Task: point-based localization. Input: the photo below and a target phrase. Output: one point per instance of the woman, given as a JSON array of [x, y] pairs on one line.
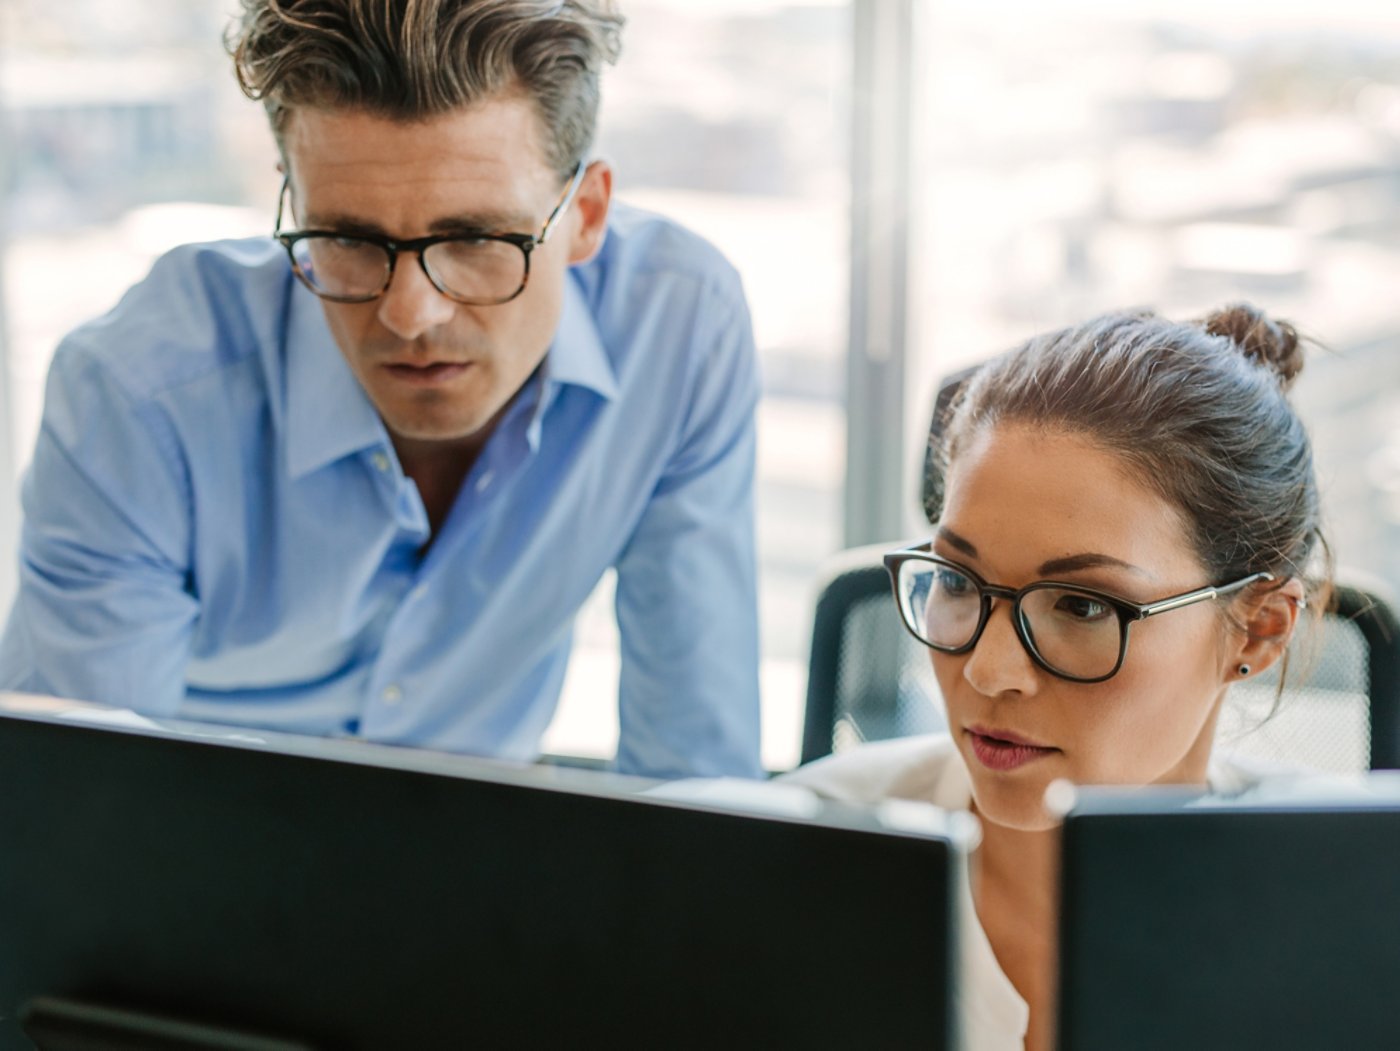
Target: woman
[[1129, 514]]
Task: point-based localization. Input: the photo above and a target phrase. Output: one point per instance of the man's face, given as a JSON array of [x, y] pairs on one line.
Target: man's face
[[439, 371]]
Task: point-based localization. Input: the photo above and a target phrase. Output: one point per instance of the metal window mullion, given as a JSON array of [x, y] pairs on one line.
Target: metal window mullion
[[9, 497], [881, 208]]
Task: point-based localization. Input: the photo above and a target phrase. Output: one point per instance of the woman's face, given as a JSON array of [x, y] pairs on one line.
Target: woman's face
[[1019, 500]]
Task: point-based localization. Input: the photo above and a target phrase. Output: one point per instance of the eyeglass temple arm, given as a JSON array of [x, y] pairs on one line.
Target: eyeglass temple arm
[[577, 178], [1201, 595], [281, 200]]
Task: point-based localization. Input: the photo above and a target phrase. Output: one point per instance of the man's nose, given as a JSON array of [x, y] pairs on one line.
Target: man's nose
[[412, 304]]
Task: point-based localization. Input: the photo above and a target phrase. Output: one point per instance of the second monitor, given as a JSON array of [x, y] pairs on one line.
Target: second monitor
[[1231, 924]]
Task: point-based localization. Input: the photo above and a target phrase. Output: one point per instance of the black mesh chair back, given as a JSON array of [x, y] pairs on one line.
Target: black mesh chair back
[[1340, 706], [868, 680]]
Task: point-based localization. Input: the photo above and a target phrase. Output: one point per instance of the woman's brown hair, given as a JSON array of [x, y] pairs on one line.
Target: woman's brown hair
[[1200, 413]]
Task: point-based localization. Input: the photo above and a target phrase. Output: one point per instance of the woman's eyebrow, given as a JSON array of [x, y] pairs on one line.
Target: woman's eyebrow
[[1088, 560], [953, 540], [1068, 564]]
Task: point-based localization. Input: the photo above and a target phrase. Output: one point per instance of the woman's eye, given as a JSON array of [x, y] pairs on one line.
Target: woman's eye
[[952, 583], [1082, 607]]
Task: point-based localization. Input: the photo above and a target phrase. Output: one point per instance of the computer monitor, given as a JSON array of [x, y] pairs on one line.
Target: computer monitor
[[1219, 924], [237, 889]]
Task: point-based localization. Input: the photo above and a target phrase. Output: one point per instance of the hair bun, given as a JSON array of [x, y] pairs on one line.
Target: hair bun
[[1272, 344]]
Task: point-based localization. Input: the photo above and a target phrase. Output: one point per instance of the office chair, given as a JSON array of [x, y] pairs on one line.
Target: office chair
[[868, 679], [1340, 707]]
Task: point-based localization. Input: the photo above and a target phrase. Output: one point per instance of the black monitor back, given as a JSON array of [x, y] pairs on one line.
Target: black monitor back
[[353, 898], [1230, 926]]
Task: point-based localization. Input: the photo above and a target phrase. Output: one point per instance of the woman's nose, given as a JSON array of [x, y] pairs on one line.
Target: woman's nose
[[999, 663]]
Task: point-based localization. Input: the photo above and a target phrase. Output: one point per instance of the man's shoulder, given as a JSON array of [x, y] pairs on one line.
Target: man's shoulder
[[202, 308], [641, 242]]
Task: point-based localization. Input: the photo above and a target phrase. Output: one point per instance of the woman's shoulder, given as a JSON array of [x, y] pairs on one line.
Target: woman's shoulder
[[926, 768], [1232, 772], [1245, 776]]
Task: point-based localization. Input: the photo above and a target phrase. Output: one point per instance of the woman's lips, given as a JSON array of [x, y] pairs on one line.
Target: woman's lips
[[1004, 750]]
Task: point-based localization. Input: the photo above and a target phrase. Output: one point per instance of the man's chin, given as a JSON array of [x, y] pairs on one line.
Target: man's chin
[[441, 417], [457, 432]]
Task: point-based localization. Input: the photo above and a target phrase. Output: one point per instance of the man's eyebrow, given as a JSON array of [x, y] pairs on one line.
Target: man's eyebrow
[[1088, 560], [500, 222], [343, 224], [953, 540], [476, 223]]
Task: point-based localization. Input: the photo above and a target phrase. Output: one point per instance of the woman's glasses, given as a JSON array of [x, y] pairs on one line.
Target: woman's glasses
[[1076, 633]]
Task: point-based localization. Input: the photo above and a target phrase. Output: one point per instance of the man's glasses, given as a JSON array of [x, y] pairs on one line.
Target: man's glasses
[[1076, 633], [479, 269]]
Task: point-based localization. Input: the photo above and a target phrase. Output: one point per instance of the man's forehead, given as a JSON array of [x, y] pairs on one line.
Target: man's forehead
[[480, 167], [497, 136]]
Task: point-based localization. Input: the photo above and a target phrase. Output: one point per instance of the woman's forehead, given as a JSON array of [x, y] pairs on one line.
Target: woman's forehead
[[1023, 496]]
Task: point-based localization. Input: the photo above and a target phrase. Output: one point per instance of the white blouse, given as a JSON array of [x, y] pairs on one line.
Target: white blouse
[[992, 1014]]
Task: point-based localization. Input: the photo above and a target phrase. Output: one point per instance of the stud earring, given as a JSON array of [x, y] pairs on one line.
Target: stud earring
[[1244, 670]]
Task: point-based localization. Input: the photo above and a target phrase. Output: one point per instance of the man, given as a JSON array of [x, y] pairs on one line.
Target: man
[[357, 480]]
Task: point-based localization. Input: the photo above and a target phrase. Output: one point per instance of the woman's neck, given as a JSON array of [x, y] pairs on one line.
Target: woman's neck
[[1020, 866], [1015, 890]]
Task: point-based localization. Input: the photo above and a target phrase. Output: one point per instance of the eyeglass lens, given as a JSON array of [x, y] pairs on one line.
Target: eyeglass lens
[[1075, 633], [471, 270]]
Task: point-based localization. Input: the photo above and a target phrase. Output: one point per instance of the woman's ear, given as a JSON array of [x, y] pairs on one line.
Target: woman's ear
[[1269, 615]]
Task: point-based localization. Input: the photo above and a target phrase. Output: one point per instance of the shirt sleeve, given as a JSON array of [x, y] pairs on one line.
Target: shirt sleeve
[[104, 610], [686, 582]]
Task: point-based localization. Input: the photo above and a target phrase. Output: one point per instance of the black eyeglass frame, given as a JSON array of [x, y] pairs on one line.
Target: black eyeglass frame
[[527, 243], [1127, 610]]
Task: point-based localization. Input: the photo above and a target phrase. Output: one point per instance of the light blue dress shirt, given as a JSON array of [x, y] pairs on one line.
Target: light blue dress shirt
[[217, 526]]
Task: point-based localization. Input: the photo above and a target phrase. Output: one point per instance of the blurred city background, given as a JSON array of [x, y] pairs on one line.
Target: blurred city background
[[1067, 158]]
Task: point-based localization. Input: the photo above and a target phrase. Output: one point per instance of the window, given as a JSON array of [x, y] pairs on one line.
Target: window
[[1080, 156], [730, 119]]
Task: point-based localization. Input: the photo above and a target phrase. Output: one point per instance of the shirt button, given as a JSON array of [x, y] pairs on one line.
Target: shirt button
[[380, 461], [392, 694], [418, 592], [484, 481]]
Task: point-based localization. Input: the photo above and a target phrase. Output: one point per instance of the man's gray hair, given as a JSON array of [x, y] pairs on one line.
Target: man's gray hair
[[415, 59]]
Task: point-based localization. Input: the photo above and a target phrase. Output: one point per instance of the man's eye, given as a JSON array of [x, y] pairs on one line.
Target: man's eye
[[348, 244], [468, 247]]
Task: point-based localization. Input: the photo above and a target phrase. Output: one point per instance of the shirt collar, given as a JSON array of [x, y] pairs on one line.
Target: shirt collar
[[329, 416], [577, 356]]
